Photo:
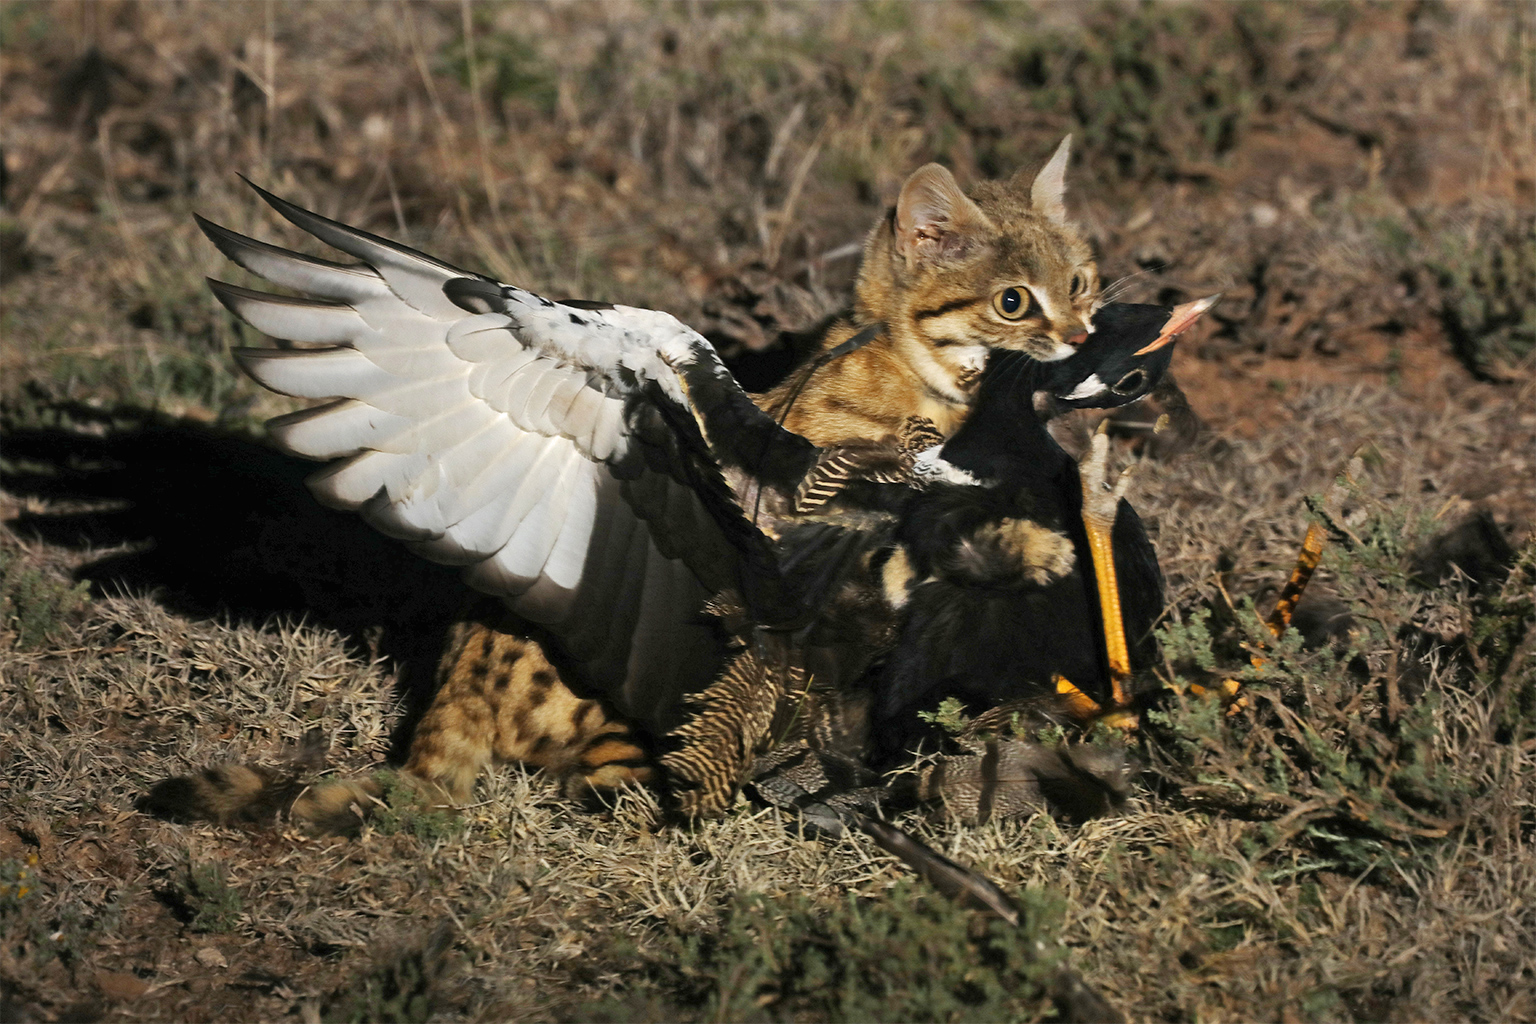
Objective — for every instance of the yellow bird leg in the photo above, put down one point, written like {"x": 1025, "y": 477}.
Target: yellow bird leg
{"x": 1100, "y": 505}
{"x": 1307, "y": 561}
{"x": 1306, "y": 564}
{"x": 1078, "y": 704}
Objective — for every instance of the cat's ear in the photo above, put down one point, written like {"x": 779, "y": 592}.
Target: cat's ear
{"x": 935, "y": 220}
{"x": 1047, "y": 194}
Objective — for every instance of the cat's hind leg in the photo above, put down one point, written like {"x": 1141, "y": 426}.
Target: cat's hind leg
{"x": 500, "y": 699}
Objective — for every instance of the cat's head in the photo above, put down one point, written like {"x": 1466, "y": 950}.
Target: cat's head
{"x": 1001, "y": 268}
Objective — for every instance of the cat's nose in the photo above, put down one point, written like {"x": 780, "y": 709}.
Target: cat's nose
{"x": 1077, "y": 339}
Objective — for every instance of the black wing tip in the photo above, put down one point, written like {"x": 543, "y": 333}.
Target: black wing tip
{"x": 329, "y": 231}
{"x": 293, "y": 212}
{"x": 229, "y": 295}
{"x": 225, "y": 240}
{"x": 265, "y": 195}
{"x": 233, "y": 294}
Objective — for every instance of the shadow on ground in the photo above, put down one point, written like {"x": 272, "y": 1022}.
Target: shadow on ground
{"x": 215, "y": 523}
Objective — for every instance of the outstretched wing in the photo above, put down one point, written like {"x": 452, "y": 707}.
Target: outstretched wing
{"x": 568, "y": 457}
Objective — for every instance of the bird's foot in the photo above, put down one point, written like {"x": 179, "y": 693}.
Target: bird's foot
{"x": 1101, "y": 499}
{"x": 1087, "y": 711}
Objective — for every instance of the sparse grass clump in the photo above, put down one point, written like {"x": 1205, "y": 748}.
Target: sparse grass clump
{"x": 216, "y": 905}
{"x": 908, "y": 955}
{"x": 35, "y": 606}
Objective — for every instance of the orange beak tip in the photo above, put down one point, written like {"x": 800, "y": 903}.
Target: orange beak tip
{"x": 1180, "y": 320}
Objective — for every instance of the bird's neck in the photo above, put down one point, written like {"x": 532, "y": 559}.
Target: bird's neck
{"x": 1003, "y": 438}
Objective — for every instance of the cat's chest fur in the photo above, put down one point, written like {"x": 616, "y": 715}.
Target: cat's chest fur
{"x": 871, "y": 392}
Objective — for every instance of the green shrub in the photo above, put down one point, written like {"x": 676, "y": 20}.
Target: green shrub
{"x": 507, "y": 67}
{"x": 216, "y": 906}
{"x": 1487, "y": 276}
{"x": 404, "y": 811}
{"x": 1353, "y": 752}
{"x": 910, "y": 955}
{"x": 34, "y": 605}
{"x": 1154, "y": 87}
{"x": 401, "y": 988}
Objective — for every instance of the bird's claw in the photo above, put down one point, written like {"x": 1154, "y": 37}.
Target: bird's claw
{"x": 1101, "y": 499}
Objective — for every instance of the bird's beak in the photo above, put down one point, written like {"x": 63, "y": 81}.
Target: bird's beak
{"x": 1182, "y": 318}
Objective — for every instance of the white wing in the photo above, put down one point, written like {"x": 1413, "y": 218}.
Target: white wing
{"x": 555, "y": 451}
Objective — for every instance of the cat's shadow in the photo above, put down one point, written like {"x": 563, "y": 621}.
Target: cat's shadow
{"x": 215, "y": 523}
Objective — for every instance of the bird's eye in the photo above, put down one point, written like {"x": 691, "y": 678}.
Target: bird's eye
{"x": 1130, "y": 382}
{"x": 1013, "y": 303}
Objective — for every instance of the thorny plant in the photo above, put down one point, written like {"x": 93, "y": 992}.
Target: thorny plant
{"x": 1354, "y": 751}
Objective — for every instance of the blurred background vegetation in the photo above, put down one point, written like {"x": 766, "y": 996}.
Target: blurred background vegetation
{"x": 1357, "y": 177}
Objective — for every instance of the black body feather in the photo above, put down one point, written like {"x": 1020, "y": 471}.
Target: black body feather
{"x": 989, "y": 644}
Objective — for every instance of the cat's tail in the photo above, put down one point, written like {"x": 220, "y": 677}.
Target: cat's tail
{"x": 239, "y": 794}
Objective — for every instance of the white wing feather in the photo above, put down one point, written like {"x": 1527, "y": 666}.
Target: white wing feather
{"x": 484, "y": 437}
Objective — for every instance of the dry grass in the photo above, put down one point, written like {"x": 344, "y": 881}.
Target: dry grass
{"x": 1339, "y": 170}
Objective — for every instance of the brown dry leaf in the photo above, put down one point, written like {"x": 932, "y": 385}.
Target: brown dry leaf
{"x": 120, "y": 986}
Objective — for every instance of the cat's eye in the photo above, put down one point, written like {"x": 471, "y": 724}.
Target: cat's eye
{"x": 1013, "y": 303}
{"x": 1130, "y": 382}
{"x": 1077, "y": 283}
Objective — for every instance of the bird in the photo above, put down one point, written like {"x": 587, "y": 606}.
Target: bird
{"x": 594, "y": 466}
{"x": 944, "y": 597}
{"x": 981, "y": 621}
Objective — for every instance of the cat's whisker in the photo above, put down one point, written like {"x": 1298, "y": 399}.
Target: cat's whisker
{"x": 1112, "y": 291}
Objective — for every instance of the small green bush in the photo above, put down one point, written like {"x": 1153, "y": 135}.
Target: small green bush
{"x": 1487, "y": 279}
{"x": 1154, "y": 87}
{"x": 401, "y": 988}
{"x": 403, "y": 811}
{"x": 18, "y": 881}
{"x": 950, "y": 716}
{"x": 217, "y": 907}
{"x": 35, "y": 605}
{"x": 507, "y": 67}
{"x": 911, "y": 955}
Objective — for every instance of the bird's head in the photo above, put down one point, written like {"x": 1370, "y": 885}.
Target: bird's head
{"x": 1126, "y": 356}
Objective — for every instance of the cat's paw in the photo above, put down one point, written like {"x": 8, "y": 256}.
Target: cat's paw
{"x": 1012, "y": 552}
